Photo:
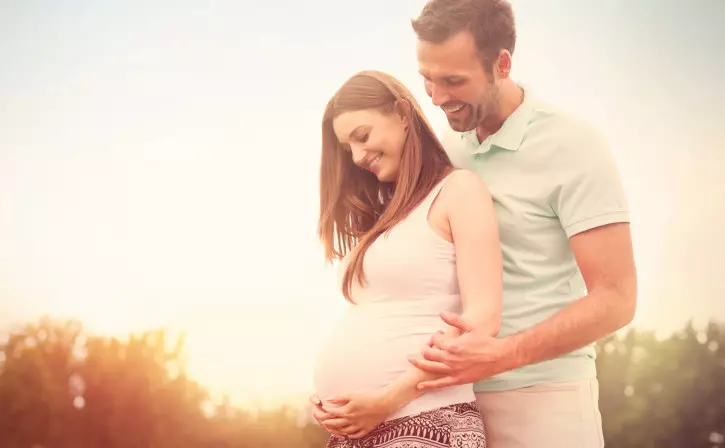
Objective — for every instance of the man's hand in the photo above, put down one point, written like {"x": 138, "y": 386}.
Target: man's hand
{"x": 473, "y": 356}
{"x": 355, "y": 415}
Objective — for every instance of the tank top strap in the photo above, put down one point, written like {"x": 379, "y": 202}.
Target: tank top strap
{"x": 425, "y": 206}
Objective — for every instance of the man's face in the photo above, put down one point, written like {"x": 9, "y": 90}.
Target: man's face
{"x": 457, "y": 81}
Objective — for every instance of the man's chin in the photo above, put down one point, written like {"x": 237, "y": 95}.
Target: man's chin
{"x": 460, "y": 126}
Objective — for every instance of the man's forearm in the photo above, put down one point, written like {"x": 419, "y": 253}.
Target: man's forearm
{"x": 581, "y": 323}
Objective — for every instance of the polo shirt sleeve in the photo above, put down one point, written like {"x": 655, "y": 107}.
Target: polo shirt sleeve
{"x": 589, "y": 191}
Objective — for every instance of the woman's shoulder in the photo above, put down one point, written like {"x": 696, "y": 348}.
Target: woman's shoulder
{"x": 463, "y": 191}
{"x": 463, "y": 182}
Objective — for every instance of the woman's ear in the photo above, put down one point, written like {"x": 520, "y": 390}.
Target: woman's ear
{"x": 404, "y": 109}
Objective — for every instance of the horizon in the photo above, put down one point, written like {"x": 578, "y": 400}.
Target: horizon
{"x": 158, "y": 163}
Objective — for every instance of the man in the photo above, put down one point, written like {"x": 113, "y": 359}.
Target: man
{"x": 569, "y": 273}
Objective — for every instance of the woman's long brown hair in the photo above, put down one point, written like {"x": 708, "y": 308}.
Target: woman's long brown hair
{"x": 355, "y": 207}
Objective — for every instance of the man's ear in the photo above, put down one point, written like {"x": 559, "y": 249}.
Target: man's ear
{"x": 502, "y": 66}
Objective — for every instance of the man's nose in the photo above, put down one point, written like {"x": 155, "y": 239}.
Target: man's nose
{"x": 438, "y": 95}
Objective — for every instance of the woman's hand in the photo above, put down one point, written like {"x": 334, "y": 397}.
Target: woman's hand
{"x": 322, "y": 416}
{"x": 355, "y": 415}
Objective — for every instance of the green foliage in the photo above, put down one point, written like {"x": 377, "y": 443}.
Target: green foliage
{"x": 663, "y": 393}
{"x": 62, "y": 388}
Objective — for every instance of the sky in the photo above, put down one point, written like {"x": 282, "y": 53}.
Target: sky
{"x": 158, "y": 160}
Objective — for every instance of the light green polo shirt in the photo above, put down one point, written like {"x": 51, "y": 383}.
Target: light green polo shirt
{"x": 551, "y": 176}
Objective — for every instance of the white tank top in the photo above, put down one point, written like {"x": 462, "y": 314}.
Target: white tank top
{"x": 411, "y": 277}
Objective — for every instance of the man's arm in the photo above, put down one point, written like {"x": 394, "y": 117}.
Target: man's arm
{"x": 606, "y": 260}
{"x": 592, "y": 208}
{"x": 590, "y": 204}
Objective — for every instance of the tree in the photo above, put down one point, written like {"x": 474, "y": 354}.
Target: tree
{"x": 62, "y": 388}
{"x": 663, "y": 393}
{"x": 137, "y": 395}
{"x": 35, "y": 406}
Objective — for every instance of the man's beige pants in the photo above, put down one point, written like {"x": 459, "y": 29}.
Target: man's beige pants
{"x": 555, "y": 415}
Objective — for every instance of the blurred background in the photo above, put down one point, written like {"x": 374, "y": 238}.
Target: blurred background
{"x": 161, "y": 284}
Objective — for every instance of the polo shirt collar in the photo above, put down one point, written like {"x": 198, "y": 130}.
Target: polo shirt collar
{"x": 512, "y": 132}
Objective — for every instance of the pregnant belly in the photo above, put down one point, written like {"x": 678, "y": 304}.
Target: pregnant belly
{"x": 367, "y": 351}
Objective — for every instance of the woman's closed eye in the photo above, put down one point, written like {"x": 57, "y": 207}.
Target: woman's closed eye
{"x": 363, "y": 137}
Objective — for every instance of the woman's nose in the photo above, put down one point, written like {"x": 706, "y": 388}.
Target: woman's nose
{"x": 358, "y": 155}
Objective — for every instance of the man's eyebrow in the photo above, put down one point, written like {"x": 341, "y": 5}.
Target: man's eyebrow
{"x": 450, "y": 77}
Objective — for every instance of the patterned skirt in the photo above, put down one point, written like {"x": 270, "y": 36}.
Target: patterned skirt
{"x": 459, "y": 425}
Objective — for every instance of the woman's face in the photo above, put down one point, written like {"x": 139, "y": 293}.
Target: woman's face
{"x": 374, "y": 139}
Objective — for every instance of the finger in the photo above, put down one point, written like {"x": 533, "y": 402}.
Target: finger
{"x": 316, "y": 404}
{"x": 342, "y": 411}
{"x": 448, "y": 347}
{"x": 430, "y": 366}
{"x": 334, "y": 431}
{"x": 455, "y": 320}
{"x": 437, "y": 334}
{"x": 320, "y": 415}
{"x": 337, "y": 424}
{"x": 439, "y": 343}
{"x": 359, "y": 434}
{"x": 319, "y": 412}
{"x": 350, "y": 429}
{"x": 339, "y": 400}
{"x": 446, "y": 381}
{"x": 435, "y": 354}
{"x": 337, "y": 433}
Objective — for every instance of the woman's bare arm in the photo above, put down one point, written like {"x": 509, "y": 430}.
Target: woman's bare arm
{"x": 474, "y": 233}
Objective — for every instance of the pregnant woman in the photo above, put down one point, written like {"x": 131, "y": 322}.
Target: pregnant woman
{"x": 415, "y": 237}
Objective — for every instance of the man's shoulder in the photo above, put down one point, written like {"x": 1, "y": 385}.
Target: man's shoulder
{"x": 451, "y": 138}
{"x": 457, "y": 145}
{"x": 561, "y": 122}
{"x": 572, "y": 135}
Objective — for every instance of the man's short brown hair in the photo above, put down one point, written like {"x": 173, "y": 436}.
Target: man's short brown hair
{"x": 491, "y": 22}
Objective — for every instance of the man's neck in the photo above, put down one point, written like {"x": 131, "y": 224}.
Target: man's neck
{"x": 511, "y": 98}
